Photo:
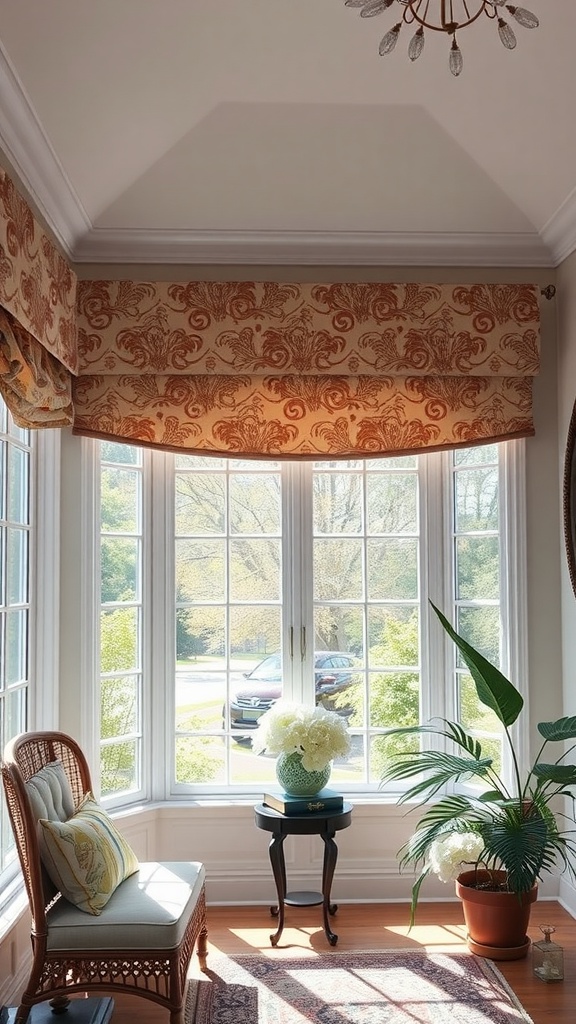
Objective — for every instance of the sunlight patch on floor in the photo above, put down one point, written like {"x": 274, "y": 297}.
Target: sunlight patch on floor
{"x": 436, "y": 936}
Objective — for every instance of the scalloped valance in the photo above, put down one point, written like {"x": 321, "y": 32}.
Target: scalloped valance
{"x": 260, "y": 369}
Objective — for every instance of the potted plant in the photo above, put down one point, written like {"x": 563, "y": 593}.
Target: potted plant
{"x": 508, "y": 835}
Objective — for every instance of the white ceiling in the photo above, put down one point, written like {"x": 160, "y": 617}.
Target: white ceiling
{"x": 271, "y": 131}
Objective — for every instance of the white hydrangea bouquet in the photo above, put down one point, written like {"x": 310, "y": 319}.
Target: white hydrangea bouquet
{"x": 316, "y": 734}
{"x": 450, "y": 853}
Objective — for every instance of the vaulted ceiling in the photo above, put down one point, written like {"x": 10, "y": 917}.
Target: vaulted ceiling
{"x": 271, "y": 131}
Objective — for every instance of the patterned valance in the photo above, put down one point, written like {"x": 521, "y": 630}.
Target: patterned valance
{"x": 35, "y": 386}
{"x": 38, "y": 346}
{"x": 305, "y": 371}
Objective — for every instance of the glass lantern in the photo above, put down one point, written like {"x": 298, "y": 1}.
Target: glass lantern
{"x": 548, "y": 957}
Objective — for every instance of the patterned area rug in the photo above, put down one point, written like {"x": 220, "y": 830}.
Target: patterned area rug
{"x": 387, "y": 987}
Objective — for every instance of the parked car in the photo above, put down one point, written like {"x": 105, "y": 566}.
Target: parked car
{"x": 333, "y": 671}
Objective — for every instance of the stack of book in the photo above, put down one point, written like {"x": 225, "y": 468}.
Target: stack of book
{"x": 325, "y": 800}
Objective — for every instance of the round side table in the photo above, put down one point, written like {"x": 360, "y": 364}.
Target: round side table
{"x": 322, "y": 823}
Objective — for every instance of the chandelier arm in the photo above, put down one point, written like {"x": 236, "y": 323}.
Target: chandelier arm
{"x": 446, "y": 21}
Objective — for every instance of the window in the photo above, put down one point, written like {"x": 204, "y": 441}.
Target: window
{"x": 228, "y": 583}
{"x": 16, "y": 559}
{"x": 121, "y": 621}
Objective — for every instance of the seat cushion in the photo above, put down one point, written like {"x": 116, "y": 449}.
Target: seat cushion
{"x": 50, "y": 793}
{"x": 149, "y": 910}
{"x": 86, "y": 856}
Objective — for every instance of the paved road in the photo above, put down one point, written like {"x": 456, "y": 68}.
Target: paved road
{"x": 201, "y": 686}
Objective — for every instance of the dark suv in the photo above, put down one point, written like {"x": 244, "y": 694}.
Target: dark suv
{"x": 333, "y": 671}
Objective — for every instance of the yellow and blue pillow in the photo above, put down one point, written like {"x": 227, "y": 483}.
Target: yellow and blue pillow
{"x": 86, "y": 856}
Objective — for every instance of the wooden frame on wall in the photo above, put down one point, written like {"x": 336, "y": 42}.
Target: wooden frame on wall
{"x": 569, "y": 499}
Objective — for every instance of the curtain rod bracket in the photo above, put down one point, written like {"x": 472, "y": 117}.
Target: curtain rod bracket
{"x": 549, "y": 291}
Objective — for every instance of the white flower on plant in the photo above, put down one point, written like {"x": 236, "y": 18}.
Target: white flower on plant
{"x": 315, "y": 733}
{"x": 449, "y": 853}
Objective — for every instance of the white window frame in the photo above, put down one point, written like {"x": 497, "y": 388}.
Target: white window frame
{"x": 44, "y": 647}
{"x": 159, "y": 657}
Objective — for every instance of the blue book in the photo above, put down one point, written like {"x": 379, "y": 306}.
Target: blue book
{"x": 325, "y": 800}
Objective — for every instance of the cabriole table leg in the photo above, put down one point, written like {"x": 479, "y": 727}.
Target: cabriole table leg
{"x": 329, "y": 866}
{"x": 276, "y": 852}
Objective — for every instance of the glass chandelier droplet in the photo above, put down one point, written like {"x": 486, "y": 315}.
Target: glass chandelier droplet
{"x": 416, "y": 44}
{"x": 373, "y": 7}
{"x": 455, "y": 61}
{"x": 390, "y": 39}
{"x": 523, "y": 17}
{"x": 506, "y": 34}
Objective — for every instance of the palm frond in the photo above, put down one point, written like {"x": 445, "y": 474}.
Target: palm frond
{"x": 452, "y": 731}
{"x": 522, "y": 845}
{"x": 456, "y": 733}
{"x": 449, "y": 809}
{"x": 441, "y": 768}
{"x": 416, "y": 892}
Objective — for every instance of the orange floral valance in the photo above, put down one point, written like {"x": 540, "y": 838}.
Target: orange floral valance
{"x": 37, "y": 286}
{"x": 315, "y": 371}
{"x": 38, "y": 345}
{"x": 35, "y": 386}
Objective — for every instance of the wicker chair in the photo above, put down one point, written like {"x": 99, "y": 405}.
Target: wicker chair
{"x": 139, "y": 944}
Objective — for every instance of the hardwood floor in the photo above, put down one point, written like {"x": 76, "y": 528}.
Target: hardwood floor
{"x": 380, "y": 926}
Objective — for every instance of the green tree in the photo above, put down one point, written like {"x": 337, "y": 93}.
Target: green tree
{"x": 119, "y": 711}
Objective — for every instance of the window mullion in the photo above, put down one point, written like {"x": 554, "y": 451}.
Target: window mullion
{"x": 435, "y": 534}
{"x": 307, "y": 643}
{"x": 45, "y": 578}
{"x": 297, "y": 626}
{"x": 159, "y": 664}
{"x": 89, "y": 657}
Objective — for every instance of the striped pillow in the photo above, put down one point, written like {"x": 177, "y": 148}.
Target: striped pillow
{"x": 85, "y": 856}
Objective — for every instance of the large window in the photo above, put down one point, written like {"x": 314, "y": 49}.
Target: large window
{"x": 228, "y": 583}
{"x": 16, "y": 522}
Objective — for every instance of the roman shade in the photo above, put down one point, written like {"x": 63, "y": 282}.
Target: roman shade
{"x": 38, "y": 347}
{"x": 262, "y": 369}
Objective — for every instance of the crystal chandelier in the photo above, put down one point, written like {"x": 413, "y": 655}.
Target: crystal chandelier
{"x": 447, "y": 16}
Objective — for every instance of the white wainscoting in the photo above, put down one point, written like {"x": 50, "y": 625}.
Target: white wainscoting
{"x": 235, "y": 852}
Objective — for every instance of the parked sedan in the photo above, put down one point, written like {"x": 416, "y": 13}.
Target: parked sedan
{"x": 333, "y": 671}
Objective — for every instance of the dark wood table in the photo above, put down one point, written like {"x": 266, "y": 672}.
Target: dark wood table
{"x": 322, "y": 823}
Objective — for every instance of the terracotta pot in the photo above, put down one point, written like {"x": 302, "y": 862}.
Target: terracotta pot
{"x": 496, "y": 922}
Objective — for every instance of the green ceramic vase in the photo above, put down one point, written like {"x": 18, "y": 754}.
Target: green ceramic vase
{"x": 296, "y": 780}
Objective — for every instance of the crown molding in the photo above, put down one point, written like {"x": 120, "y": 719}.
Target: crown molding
{"x": 33, "y": 159}
{"x": 337, "y": 248}
{"x": 559, "y": 233}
